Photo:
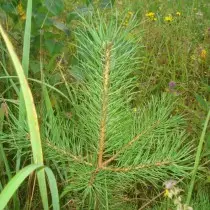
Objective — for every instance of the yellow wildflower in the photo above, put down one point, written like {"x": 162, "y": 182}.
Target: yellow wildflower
{"x": 151, "y": 15}
{"x": 130, "y": 13}
{"x": 125, "y": 23}
{"x": 166, "y": 193}
{"x": 178, "y": 13}
{"x": 21, "y": 11}
{"x": 128, "y": 18}
{"x": 134, "y": 109}
{"x": 203, "y": 54}
{"x": 168, "y": 18}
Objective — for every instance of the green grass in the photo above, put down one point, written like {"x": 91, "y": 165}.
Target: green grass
{"x": 34, "y": 134}
{"x": 159, "y": 92}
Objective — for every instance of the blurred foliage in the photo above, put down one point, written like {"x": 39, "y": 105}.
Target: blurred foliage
{"x": 51, "y": 23}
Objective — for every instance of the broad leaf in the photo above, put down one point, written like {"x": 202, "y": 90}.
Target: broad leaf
{"x": 54, "y": 6}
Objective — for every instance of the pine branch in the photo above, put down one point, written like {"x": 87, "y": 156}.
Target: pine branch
{"x": 141, "y": 166}
{"x": 129, "y": 144}
{"x": 65, "y": 153}
{"x": 103, "y": 122}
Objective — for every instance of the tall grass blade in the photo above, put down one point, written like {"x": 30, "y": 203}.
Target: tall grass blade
{"x": 27, "y": 37}
{"x": 25, "y": 58}
{"x": 53, "y": 188}
{"x": 31, "y": 117}
{"x": 15, "y": 182}
{"x": 197, "y": 159}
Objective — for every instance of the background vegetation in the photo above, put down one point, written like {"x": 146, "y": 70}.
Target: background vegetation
{"x": 120, "y": 108}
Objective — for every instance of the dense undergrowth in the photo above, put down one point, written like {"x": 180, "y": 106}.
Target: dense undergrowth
{"x": 121, "y": 92}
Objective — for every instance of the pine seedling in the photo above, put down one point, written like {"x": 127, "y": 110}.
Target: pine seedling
{"x": 107, "y": 147}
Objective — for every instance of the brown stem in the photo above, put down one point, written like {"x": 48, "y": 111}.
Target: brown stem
{"x": 92, "y": 178}
{"x": 105, "y": 94}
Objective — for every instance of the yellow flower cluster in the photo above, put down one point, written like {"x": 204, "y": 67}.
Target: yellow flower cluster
{"x": 21, "y": 12}
{"x": 178, "y": 13}
{"x": 200, "y": 55}
{"x": 168, "y": 18}
{"x": 151, "y": 16}
{"x": 173, "y": 192}
{"x": 203, "y": 54}
{"x": 130, "y": 14}
{"x": 128, "y": 17}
